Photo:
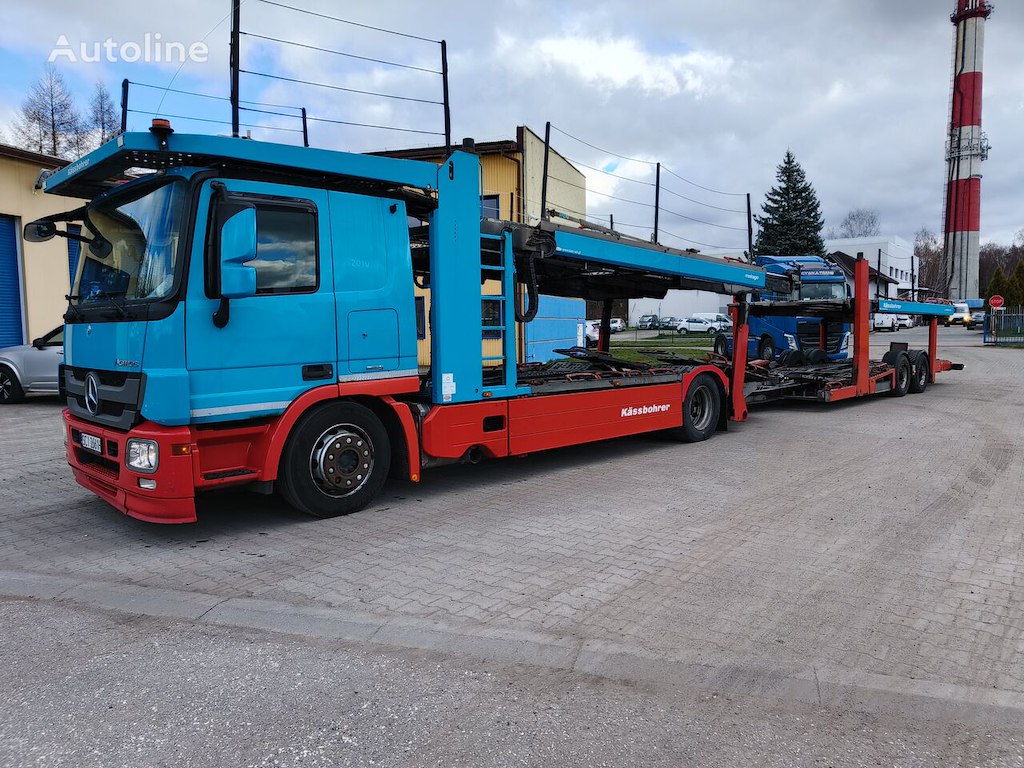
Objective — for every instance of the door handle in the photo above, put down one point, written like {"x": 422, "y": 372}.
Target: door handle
{"x": 317, "y": 372}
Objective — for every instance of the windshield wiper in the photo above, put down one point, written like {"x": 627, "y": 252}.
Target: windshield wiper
{"x": 116, "y": 301}
{"x": 73, "y": 310}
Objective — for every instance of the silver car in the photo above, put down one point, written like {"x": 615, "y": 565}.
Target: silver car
{"x": 31, "y": 368}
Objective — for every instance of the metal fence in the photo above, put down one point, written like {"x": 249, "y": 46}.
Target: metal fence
{"x": 1006, "y": 327}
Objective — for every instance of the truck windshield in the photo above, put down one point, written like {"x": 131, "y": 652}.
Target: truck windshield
{"x": 143, "y": 229}
{"x": 817, "y": 291}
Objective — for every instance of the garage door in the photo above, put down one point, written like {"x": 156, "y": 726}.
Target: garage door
{"x": 10, "y": 285}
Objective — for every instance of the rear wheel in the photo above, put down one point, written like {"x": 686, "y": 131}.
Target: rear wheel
{"x": 10, "y": 388}
{"x": 336, "y": 460}
{"x": 701, "y": 408}
{"x": 900, "y": 361}
{"x": 766, "y": 349}
{"x": 921, "y": 373}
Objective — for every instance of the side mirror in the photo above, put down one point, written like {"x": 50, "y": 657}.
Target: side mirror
{"x": 39, "y": 343}
{"x": 237, "y": 246}
{"x": 40, "y": 231}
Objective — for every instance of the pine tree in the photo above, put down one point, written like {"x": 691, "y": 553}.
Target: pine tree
{"x": 792, "y": 221}
{"x": 49, "y": 122}
{"x": 998, "y": 285}
{"x": 103, "y": 118}
{"x": 1015, "y": 292}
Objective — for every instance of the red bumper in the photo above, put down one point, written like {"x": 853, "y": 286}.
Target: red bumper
{"x": 106, "y": 474}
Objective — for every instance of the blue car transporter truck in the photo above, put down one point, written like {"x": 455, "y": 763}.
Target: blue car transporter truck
{"x": 769, "y": 338}
{"x": 245, "y": 314}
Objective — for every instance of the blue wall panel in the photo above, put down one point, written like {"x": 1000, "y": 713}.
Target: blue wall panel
{"x": 11, "y": 332}
{"x": 555, "y": 327}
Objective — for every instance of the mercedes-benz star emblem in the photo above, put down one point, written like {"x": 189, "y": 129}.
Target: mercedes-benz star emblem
{"x": 92, "y": 393}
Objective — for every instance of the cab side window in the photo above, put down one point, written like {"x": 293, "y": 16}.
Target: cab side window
{"x": 286, "y": 253}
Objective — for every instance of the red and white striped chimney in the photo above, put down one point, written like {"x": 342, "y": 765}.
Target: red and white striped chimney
{"x": 965, "y": 151}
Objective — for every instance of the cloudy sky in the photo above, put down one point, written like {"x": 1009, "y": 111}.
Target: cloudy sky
{"x": 715, "y": 91}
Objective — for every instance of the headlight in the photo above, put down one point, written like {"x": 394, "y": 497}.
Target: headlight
{"x": 791, "y": 340}
{"x": 143, "y": 455}
{"x": 846, "y": 342}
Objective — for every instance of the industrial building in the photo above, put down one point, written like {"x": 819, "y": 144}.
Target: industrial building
{"x": 34, "y": 277}
{"x": 892, "y": 257}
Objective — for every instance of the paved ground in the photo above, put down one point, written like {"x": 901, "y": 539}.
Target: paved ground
{"x": 819, "y": 586}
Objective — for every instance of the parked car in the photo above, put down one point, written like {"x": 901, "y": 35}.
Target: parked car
{"x": 697, "y": 325}
{"x": 591, "y": 332}
{"x": 618, "y": 325}
{"x": 883, "y": 322}
{"x": 31, "y": 369}
{"x": 905, "y": 321}
{"x": 977, "y": 320}
{"x": 724, "y": 322}
{"x": 648, "y": 322}
{"x": 668, "y": 323}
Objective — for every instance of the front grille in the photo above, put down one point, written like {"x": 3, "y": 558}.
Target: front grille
{"x": 809, "y": 336}
{"x": 120, "y": 396}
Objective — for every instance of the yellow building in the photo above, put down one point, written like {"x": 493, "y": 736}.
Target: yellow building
{"x": 34, "y": 277}
{"x": 512, "y": 176}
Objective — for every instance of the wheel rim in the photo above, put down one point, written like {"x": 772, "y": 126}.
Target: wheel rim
{"x": 701, "y": 408}
{"x": 767, "y": 351}
{"x": 341, "y": 460}
{"x": 6, "y": 387}
{"x": 720, "y": 348}
{"x": 903, "y": 377}
{"x": 922, "y": 375}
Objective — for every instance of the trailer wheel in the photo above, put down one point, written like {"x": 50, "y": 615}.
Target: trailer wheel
{"x": 721, "y": 345}
{"x": 10, "y": 387}
{"x": 922, "y": 372}
{"x": 336, "y": 460}
{"x": 900, "y": 361}
{"x": 701, "y": 408}
{"x": 766, "y": 349}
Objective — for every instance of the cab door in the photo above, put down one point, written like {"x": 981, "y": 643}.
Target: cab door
{"x": 261, "y": 352}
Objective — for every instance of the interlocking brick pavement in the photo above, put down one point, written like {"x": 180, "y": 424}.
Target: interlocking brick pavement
{"x": 879, "y": 538}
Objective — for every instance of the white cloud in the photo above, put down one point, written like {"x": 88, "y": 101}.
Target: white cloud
{"x": 610, "y": 63}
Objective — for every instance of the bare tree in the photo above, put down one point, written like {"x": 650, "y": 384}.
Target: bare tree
{"x": 103, "y": 117}
{"x": 860, "y": 222}
{"x": 49, "y": 121}
{"x": 928, "y": 254}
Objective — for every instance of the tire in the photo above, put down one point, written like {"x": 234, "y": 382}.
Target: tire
{"x": 792, "y": 358}
{"x": 712, "y": 331}
{"x": 766, "y": 349}
{"x": 721, "y": 346}
{"x": 681, "y": 331}
{"x": 10, "y": 388}
{"x": 322, "y": 483}
{"x": 921, "y": 373}
{"x": 701, "y": 408}
{"x": 900, "y": 361}
{"x": 817, "y": 357}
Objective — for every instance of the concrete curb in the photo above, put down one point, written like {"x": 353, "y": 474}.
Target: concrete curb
{"x": 747, "y": 677}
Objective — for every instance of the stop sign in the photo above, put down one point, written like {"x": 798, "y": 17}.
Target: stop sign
{"x": 996, "y": 301}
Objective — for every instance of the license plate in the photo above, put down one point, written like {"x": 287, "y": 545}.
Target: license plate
{"x": 92, "y": 443}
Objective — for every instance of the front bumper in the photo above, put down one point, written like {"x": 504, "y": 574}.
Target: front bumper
{"x": 107, "y": 475}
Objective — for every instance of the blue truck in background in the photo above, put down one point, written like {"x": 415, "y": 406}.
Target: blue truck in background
{"x": 815, "y": 278}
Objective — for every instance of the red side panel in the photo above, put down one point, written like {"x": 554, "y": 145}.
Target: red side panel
{"x": 449, "y": 430}
{"x": 538, "y": 423}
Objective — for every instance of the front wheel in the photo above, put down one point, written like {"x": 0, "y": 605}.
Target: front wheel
{"x": 336, "y": 460}
{"x": 10, "y": 388}
{"x": 681, "y": 331}
{"x": 766, "y": 349}
{"x": 721, "y": 346}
